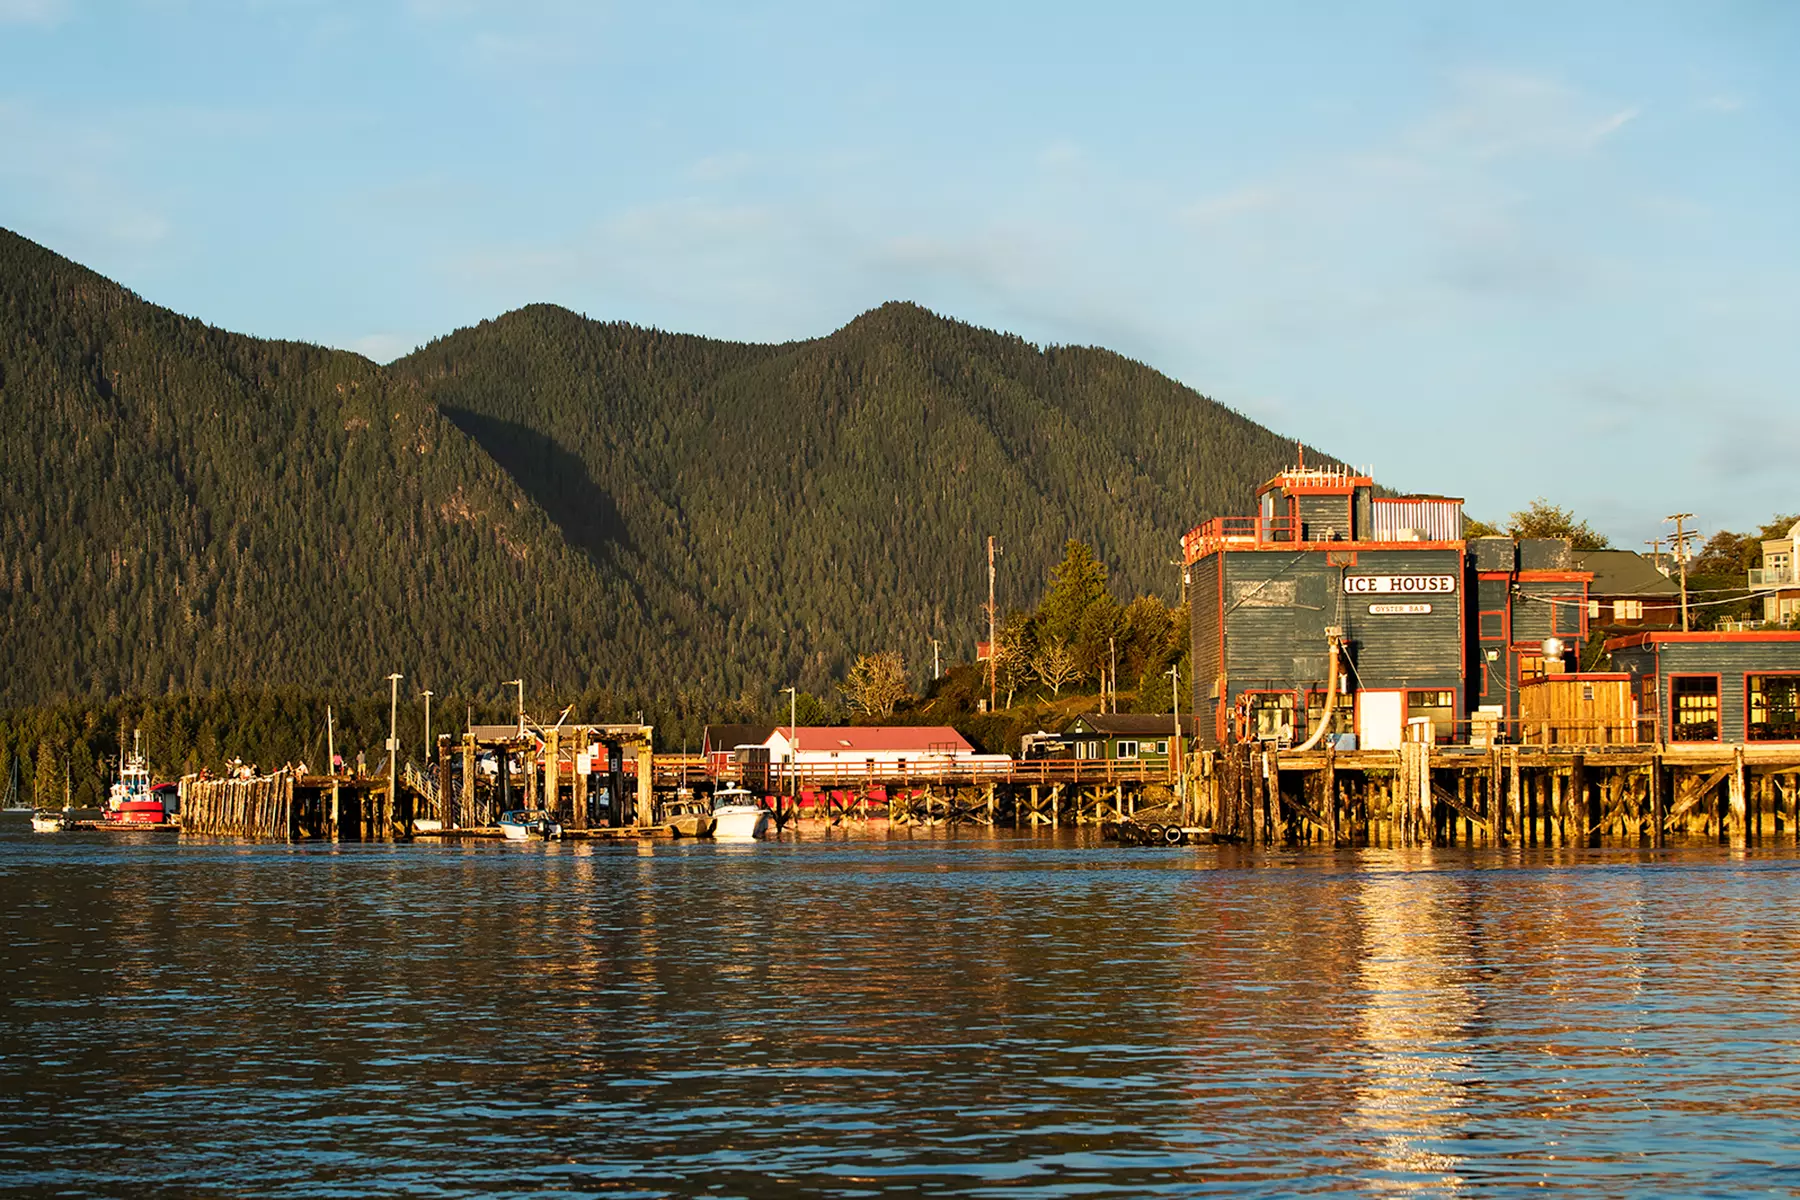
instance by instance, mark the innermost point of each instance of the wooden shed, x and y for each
(1588, 709)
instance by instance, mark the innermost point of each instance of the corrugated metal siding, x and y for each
(1203, 644)
(1421, 520)
(1324, 518)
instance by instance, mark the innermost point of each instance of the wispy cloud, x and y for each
(1495, 114)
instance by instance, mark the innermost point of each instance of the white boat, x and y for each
(737, 817)
(51, 820)
(523, 825)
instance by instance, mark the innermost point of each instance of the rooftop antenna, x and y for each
(1300, 449)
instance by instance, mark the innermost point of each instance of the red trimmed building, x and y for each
(1331, 605)
(1715, 687)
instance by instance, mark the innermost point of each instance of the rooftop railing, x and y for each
(1239, 531)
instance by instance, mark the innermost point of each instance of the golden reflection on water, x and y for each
(1411, 1056)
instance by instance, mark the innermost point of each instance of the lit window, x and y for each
(1694, 703)
(1774, 708)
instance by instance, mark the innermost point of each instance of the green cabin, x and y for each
(1125, 738)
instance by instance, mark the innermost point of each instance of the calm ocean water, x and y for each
(939, 1015)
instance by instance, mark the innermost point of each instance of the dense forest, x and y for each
(209, 526)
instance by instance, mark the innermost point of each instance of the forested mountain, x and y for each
(590, 505)
(183, 509)
(787, 507)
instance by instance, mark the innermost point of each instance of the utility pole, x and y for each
(936, 673)
(1175, 746)
(428, 755)
(1680, 547)
(520, 684)
(393, 745)
(331, 763)
(1112, 673)
(793, 738)
(993, 624)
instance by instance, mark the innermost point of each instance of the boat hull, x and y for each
(136, 812)
(740, 824)
(694, 825)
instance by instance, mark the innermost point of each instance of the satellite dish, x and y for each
(1553, 647)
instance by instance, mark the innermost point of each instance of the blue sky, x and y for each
(1490, 250)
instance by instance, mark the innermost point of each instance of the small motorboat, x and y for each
(525, 825)
(688, 816)
(52, 820)
(737, 817)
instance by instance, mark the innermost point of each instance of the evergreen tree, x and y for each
(47, 780)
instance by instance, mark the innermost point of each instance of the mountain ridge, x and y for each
(665, 515)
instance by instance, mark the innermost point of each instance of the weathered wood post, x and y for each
(1657, 783)
(646, 786)
(1328, 785)
(1738, 795)
(1585, 801)
(1515, 794)
(466, 809)
(443, 779)
(552, 794)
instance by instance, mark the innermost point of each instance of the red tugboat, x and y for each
(133, 800)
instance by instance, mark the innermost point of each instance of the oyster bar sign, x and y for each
(1399, 585)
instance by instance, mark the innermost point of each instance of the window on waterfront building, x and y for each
(1162, 747)
(1438, 707)
(1272, 716)
(1343, 712)
(1127, 750)
(1694, 708)
(1628, 610)
(1774, 708)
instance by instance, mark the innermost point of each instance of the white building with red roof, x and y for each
(823, 753)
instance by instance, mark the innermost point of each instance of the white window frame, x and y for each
(1125, 749)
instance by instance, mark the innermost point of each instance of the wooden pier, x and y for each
(1505, 795)
(288, 806)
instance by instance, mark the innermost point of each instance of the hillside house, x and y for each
(1778, 579)
(1629, 592)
